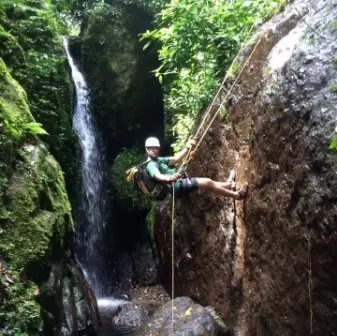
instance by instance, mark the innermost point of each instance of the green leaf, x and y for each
(147, 45)
(333, 145)
(34, 128)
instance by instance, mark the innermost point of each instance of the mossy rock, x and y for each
(31, 45)
(35, 214)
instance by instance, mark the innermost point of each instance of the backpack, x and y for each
(144, 183)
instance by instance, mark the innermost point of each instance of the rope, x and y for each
(223, 83)
(188, 156)
(172, 247)
(227, 94)
(232, 86)
(310, 284)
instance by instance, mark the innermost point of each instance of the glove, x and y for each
(191, 144)
(192, 155)
(173, 178)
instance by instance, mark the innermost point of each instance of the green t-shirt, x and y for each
(161, 163)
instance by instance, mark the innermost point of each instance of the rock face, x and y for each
(35, 224)
(267, 264)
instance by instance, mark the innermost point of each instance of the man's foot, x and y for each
(231, 179)
(242, 193)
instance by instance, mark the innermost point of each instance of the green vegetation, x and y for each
(79, 8)
(150, 219)
(334, 25)
(31, 46)
(21, 312)
(124, 191)
(199, 39)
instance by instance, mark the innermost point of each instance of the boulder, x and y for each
(189, 319)
(267, 264)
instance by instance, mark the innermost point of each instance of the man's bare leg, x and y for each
(220, 188)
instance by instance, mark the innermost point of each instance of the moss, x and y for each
(150, 220)
(34, 210)
(333, 88)
(31, 45)
(334, 25)
(124, 192)
(21, 309)
(37, 200)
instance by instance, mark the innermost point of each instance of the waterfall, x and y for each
(90, 226)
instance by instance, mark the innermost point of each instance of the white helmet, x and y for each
(152, 142)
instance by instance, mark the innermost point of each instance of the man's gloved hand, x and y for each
(191, 144)
(192, 155)
(174, 177)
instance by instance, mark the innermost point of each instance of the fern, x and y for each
(34, 128)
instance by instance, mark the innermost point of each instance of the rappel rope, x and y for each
(222, 84)
(172, 247)
(188, 156)
(208, 111)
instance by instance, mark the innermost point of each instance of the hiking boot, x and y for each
(242, 193)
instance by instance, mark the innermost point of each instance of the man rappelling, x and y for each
(156, 176)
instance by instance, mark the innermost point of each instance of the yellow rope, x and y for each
(223, 82)
(188, 156)
(227, 94)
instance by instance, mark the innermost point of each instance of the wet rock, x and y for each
(190, 319)
(145, 266)
(67, 299)
(122, 317)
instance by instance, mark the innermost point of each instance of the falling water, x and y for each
(90, 226)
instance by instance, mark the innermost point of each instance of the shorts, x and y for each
(185, 186)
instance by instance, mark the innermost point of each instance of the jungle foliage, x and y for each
(199, 39)
(79, 8)
(125, 192)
